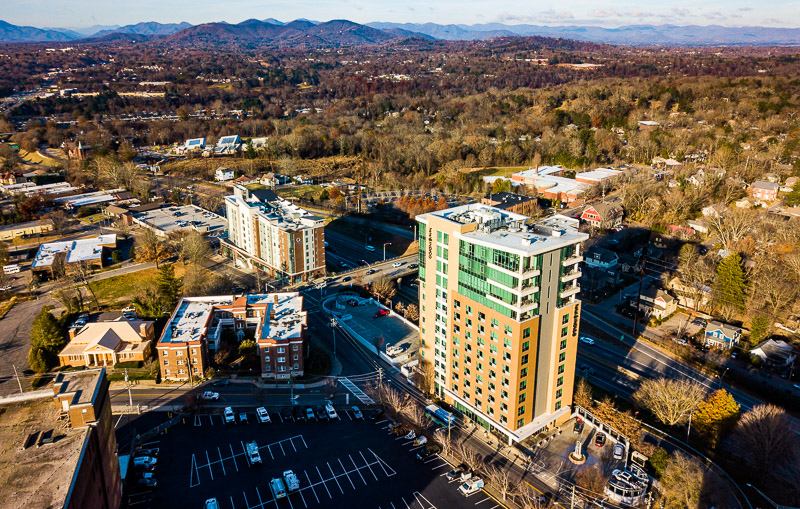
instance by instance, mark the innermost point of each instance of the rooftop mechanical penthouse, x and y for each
(499, 314)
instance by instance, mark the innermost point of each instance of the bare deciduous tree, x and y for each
(731, 227)
(500, 478)
(469, 456)
(682, 482)
(671, 401)
(423, 376)
(766, 439)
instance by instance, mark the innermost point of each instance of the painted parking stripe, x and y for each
(260, 501)
(482, 501)
(233, 457)
(221, 462)
(232, 504)
(368, 466)
(406, 503)
(335, 478)
(209, 466)
(245, 499)
(345, 473)
(270, 451)
(311, 486)
(194, 474)
(323, 482)
(302, 497)
(357, 470)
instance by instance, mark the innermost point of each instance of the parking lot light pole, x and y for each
(722, 375)
(334, 323)
(384, 249)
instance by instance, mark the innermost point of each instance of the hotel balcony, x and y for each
(572, 260)
(570, 291)
(571, 276)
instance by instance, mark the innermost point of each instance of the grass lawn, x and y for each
(307, 191)
(93, 219)
(36, 158)
(116, 292)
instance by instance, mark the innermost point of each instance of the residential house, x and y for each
(657, 303)
(699, 225)
(764, 191)
(601, 258)
(629, 263)
(687, 295)
(107, 343)
(697, 180)
(788, 186)
(714, 210)
(773, 352)
(721, 335)
(602, 215)
(648, 125)
(745, 203)
(224, 174)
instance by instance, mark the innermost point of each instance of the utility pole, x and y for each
(17, 375)
(130, 397)
(384, 250)
(689, 428)
(639, 297)
(572, 499)
(333, 331)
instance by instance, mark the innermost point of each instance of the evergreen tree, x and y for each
(38, 358)
(759, 329)
(46, 333)
(169, 286)
(716, 415)
(730, 287)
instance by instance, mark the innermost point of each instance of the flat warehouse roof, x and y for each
(183, 217)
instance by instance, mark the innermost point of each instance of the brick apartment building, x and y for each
(275, 321)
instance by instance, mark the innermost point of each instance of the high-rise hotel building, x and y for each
(273, 235)
(499, 314)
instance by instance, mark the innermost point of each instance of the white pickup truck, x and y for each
(292, 483)
(278, 490)
(253, 456)
(471, 486)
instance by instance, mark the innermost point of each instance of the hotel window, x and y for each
(560, 381)
(295, 357)
(520, 423)
(565, 319)
(562, 356)
(180, 363)
(481, 330)
(563, 344)
(481, 316)
(503, 407)
(166, 372)
(523, 372)
(522, 398)
(558, 405)
(194, 360)
(523, 385)
(294, 348)
(194, 351)
(506, 342)
(166, 362)
(495, 323)
(560, 369)
(296, 366)
(281, 368)
(524, 359)
(521, 410)
(564, 331)
(281, 359)
(526, 345)
(179, 353)
(181, 372)
(559, 393)
(526, 332)
(508, 329)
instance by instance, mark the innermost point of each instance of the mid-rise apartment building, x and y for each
(272, 235)
(275, 321)
(499, 314)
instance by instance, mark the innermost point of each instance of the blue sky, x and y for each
(609, 13)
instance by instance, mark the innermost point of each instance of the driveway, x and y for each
(15, 333)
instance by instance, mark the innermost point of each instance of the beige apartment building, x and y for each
(273, 235)
(499, 314)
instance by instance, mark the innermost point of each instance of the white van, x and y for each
(11, 269)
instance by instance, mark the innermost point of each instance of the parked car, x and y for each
(375, 414)
(578, 427)
(413, 266)
(455, 473)
(331, 412)
(371, 249)
(222, 383)
(371, 271)
(428, 452)
(320, 412)
(212, 503)
(286, 413)
(262, 414)
(310, 414)
(346, 279)
(397, 264)
(144, 462)
(149, 482)
(357, 413)
(619, 451)
(209, 395)
(587, 340)
(228, 414)
(243, 417)
(600, 439)
(381, 312)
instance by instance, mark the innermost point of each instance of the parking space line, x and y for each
(311, 486)
(194, 473)
(293, 447)
(406, 503)
(197, 421)
(281, 418)
(233, 456)
(304, 441)
(221, 462)
(270, 451)
(345, 473)
(300, 492)
(382, 463)
(290, 501)
(417, 447)
(335, 478)
(418, 495)
(232, 504)
(281, 446)
(209, 466)
(432, 459)
(482, 501)
(245, 500)
(148, 444)
(347, 413)
(357, 469)
(211, 419)
(260, 502)
(368, 466)
(381, 422)
(323, 482)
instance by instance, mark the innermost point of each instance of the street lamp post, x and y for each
(384, 249)
(722, 375)
(334, 323)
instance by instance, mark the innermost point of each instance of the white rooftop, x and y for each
(77, 250)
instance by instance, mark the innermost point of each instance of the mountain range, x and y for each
(346, 33)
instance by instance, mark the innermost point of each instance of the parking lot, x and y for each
(340, 463)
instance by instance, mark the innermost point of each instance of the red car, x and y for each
(381, 312)
(600, 440)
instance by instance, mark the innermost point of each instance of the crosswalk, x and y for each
(358, 393)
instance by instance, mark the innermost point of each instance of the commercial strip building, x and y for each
(165, 220)
(107, 343)
(499, 314)
(12, 231)
(54, 255)
(275, 321)
(272, 235)
(58, 445)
